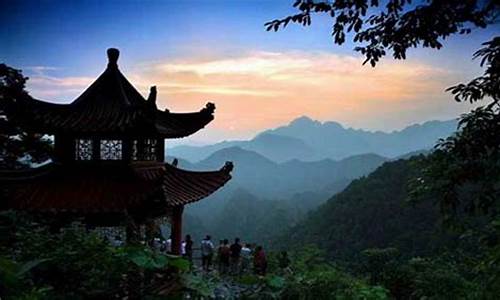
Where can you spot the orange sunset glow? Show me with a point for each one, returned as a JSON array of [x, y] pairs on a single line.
[[266, 89]]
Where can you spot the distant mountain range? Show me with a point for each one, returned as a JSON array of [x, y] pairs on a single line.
[[264, 192], [289, 189], [268, 179], [309, 140], [290, 170]]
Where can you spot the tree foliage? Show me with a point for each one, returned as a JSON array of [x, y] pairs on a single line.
[[34, 261], [310, 276], [378, 27], [485, 86], [18, 148], [372, 212], [371, 230], [464, 170]]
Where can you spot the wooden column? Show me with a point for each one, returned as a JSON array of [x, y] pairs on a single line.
[[64, 148], [126, 149], [160, 150], [96, 149], [176, 228]]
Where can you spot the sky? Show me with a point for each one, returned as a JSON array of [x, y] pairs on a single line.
[[219, 51]]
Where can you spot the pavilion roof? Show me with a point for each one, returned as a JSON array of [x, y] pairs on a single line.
[[110, 105], [138, 188]]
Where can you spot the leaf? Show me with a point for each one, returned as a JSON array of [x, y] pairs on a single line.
[[179, 263], [161, 261], [141, 257], [26, 267], [141, 261], [275, 282]]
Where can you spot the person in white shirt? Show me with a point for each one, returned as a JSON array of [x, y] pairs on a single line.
[[157, 244], [246, 256], [207, 252], [168, 245], [183, 248]]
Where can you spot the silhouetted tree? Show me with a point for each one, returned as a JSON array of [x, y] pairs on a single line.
[[18, 148]]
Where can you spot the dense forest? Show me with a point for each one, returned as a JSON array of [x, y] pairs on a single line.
[[374, 212], [373, 229]]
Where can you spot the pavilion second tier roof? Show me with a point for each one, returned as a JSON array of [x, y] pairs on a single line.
[[139, 188], [110, 105]]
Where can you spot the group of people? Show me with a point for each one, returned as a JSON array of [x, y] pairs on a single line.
[[165, 246], [235, 258]]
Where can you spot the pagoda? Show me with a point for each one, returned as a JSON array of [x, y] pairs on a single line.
[[108, 164]]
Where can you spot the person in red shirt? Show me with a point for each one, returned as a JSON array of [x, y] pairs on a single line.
[[224, 254], [260, 261]]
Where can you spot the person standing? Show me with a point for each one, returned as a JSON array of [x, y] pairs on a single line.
[[246, 254], [207, 252], [235, 256], [168, 245], [224, 255], [260, 261], [157, 243], [188, 248], [217, 257]]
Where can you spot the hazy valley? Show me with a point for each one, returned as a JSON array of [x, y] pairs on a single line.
[[284, 173]]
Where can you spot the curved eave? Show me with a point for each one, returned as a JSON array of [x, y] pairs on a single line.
[[182, 187], [21, 175], [82, 190], [51, 118], [178, 125], [139, 188]]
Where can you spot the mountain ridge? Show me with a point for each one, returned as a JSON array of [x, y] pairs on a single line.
[[306, 139]]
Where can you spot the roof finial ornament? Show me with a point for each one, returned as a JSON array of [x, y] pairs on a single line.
[[152, 95], [209, 108], [228, 167], [113, 55]]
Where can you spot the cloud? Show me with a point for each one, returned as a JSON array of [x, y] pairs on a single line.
[[259, 90], [66, 82], [40, 70], [52, 88], [282, 74], [264, 89], [258, 64]]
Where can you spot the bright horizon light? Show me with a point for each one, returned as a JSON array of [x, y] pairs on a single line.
[[221, 53]]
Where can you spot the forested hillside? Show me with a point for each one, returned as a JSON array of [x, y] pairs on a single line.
[[374, 212], [373, 231], [264, 197]]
